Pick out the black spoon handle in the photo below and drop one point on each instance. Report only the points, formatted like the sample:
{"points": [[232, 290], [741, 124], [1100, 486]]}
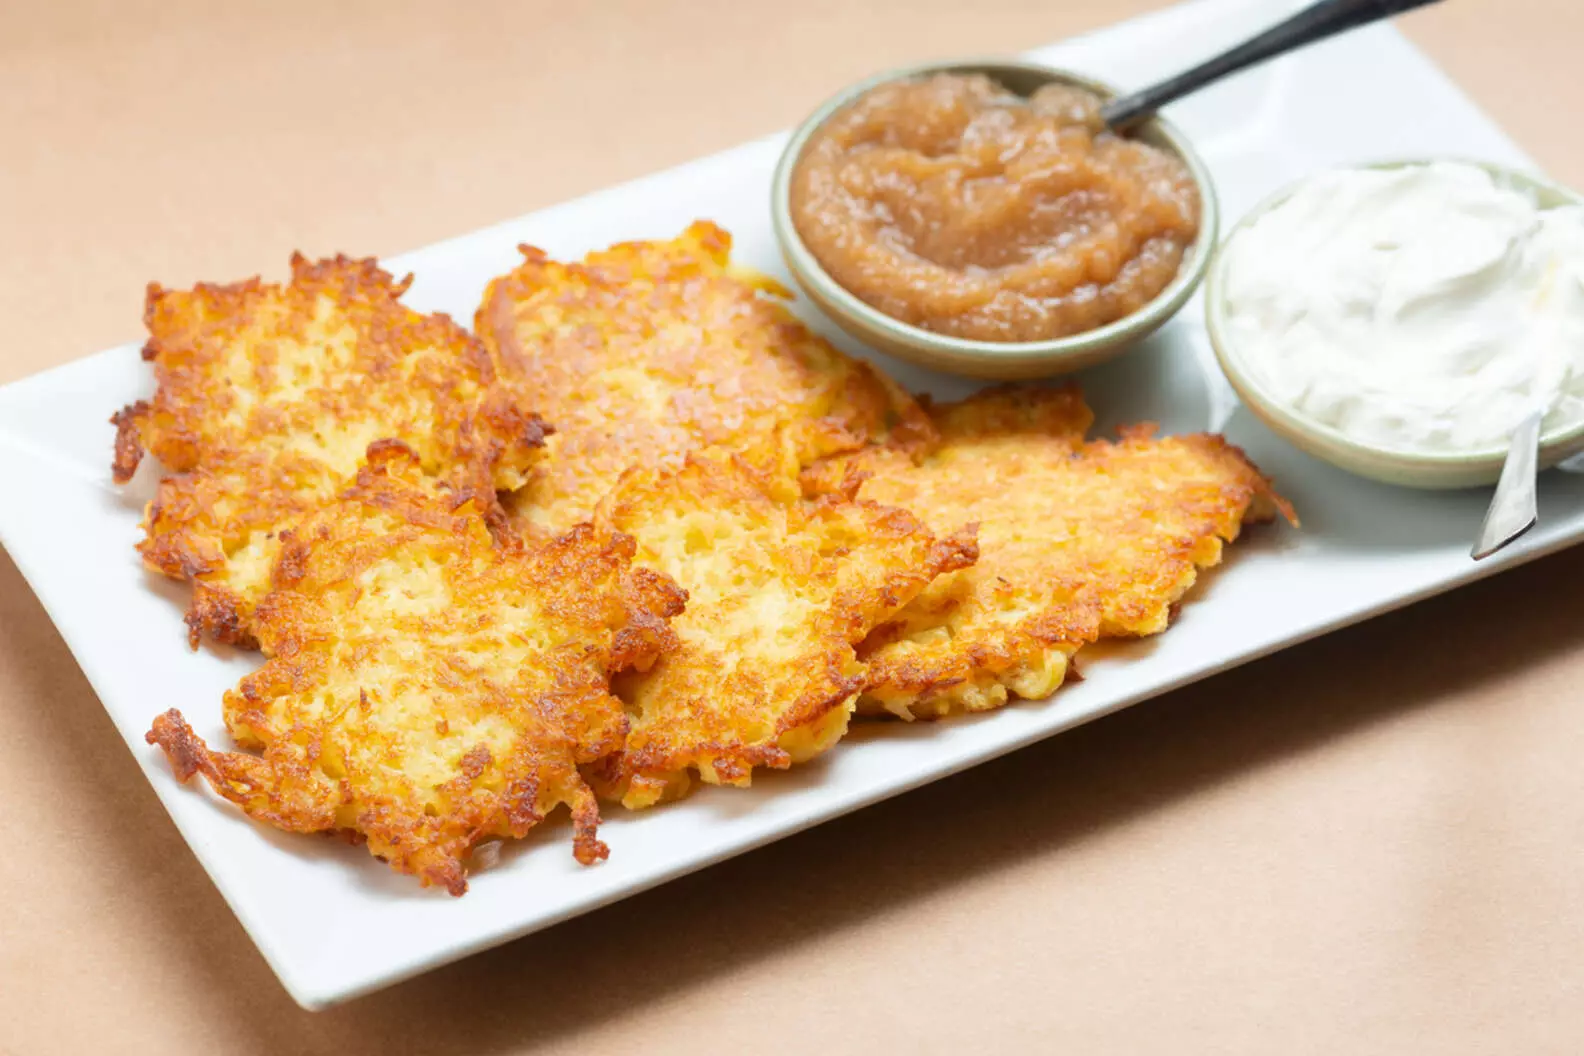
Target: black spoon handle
{"points": [[1315, 22]]}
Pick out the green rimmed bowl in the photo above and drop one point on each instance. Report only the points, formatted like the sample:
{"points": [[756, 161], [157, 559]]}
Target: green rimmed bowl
{"points": [[1437, 470], [990, 359]]}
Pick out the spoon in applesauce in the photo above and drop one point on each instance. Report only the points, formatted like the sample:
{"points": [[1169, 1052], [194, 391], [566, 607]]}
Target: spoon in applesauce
{"points": [[1314, 23]]}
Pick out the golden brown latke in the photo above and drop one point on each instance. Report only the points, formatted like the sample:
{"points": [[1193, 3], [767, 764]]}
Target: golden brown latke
{"points": [[1077, 541], [428, 689], [268, 396], [780, 589], [648, 350]]}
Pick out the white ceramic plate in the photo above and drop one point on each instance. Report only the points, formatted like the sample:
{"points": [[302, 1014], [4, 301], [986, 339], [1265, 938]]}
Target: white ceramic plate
{"points": [[334, 923]]}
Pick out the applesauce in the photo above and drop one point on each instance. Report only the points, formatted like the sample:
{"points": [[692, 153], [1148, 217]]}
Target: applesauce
{"points": [[954, 205]]}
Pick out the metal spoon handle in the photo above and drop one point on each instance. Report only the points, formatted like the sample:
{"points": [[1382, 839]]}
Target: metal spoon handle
{"points": [[1513, 510], [1313, 23]]}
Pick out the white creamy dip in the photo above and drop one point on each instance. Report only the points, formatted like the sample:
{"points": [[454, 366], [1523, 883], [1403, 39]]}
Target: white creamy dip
{"points": [[1423, 309]]}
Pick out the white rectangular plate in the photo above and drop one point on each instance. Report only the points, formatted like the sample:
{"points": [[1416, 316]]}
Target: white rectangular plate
{"points": [[334, 923]]}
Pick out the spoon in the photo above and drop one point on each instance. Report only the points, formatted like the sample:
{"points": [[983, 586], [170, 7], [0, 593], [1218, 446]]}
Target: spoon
{"points": [[1512, 510], [1314, 23]]}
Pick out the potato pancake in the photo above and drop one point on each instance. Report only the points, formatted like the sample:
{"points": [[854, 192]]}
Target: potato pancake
{"points": [[780, 589], [268, 395], [428, 689], [1077, 541], [646, 351]]}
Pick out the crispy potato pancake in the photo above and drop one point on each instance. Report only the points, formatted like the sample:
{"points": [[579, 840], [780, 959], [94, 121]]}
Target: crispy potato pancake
{"points": [[1077, 541], [646, 351], [268, 397], [427, 688], [780, 589]]}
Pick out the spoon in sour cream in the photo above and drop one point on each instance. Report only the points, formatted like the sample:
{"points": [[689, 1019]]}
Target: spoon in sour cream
{"points": [[1514, 508]]}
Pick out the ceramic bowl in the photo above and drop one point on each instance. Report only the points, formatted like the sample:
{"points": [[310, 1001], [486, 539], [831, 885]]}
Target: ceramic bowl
{"points": [[1411, 469], [990, 359]]}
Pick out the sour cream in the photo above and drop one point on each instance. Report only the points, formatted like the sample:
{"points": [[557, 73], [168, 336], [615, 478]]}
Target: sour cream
{"points": [[1423, 309]]}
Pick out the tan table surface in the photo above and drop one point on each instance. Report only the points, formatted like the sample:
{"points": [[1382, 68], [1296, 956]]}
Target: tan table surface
{"points": [[1367, 844]]}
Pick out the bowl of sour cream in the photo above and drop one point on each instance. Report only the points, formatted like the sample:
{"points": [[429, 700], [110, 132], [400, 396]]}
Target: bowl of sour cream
{"points": [[1401, 319]]}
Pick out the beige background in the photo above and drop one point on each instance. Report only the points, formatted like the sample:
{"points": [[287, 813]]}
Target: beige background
{"points": [[1370, 844]]}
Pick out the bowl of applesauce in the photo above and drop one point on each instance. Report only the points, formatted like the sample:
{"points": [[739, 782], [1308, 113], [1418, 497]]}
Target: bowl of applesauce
{"points": [[977, 217]]}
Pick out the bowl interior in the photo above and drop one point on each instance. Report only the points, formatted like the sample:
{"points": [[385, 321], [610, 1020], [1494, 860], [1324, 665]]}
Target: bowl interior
{"points": [[992, 358], [1428, 469]]}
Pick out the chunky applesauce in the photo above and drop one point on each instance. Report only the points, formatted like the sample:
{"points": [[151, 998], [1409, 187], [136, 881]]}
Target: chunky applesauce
{"points": [[954, 205]]}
